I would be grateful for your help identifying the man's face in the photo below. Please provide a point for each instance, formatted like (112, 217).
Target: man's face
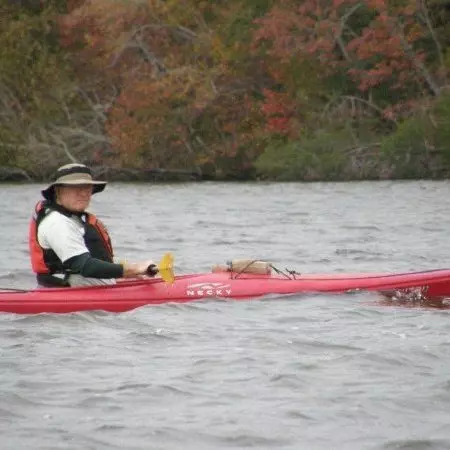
(74, 197)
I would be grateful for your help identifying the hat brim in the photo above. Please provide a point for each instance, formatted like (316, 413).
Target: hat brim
(98, 186)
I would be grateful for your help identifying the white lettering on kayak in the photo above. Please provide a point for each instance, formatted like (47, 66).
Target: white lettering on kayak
(208, 290)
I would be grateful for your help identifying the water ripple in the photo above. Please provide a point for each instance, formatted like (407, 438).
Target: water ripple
(316, 372)
(417, 444)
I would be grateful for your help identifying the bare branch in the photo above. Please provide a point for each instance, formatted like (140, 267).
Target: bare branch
(353, 100)
(427, 20)
(214, 87)
(63, 146)
(136, 41)
(70, 132)
(147, 54)
(397, 30)
(342, 26)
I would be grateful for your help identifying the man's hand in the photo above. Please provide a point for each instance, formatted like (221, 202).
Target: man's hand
(132, 270)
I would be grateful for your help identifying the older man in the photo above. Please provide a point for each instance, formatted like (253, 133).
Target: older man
(69, 246)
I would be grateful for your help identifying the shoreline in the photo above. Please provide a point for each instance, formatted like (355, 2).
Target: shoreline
(113, 174)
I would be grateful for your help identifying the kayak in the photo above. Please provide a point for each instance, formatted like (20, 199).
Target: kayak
(222, 284)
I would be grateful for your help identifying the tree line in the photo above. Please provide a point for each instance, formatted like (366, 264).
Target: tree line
(235, 89)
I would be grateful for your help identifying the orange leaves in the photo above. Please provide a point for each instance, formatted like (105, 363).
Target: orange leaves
(71, 5)
(386, 45)
(278, 110)
(386, 49)
(275, 31)
(400, 109)
(150, 109)
(306, 31)
(377, 48)
(377, 5)
(338, 3)
(162, 59)
(96, 26)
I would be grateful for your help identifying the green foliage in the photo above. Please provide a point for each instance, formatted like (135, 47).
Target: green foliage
(35, 81)
(406, 147)
(238, 27)
(321, 156)
(30, 61)
(439, 13)
(441, 121)
(422, 143)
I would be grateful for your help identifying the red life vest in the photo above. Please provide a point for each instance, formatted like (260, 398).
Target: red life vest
(96, 238)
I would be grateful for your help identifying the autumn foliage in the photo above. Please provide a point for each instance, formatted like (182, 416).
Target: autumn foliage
(213, 85)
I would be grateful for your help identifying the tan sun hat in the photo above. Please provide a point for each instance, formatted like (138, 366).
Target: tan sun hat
(73, 174)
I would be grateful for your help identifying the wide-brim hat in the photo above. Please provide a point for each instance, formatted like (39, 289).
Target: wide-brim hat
(73, 174)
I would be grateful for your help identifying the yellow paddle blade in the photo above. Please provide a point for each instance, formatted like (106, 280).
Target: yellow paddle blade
(165, 268)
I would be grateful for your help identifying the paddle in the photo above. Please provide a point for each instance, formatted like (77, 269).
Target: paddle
(164, 268)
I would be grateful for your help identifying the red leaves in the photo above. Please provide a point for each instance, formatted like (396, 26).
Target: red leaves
(178, 85)
(387, 52)
(386, 47)
(278, 109)
(377, 5)
(309, 30)
(400, 109)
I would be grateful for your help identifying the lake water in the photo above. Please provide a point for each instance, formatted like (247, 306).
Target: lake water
(302, 372)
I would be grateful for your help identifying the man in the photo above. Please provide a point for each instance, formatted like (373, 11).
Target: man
(69, 246)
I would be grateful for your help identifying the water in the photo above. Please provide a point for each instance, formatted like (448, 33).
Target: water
(303, 372)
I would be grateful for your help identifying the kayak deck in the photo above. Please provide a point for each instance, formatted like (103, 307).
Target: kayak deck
(128, 295)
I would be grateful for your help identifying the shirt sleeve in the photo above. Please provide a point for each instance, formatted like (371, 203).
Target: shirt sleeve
(64, 235)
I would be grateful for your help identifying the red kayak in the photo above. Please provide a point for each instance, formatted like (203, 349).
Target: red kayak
(125, 296)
